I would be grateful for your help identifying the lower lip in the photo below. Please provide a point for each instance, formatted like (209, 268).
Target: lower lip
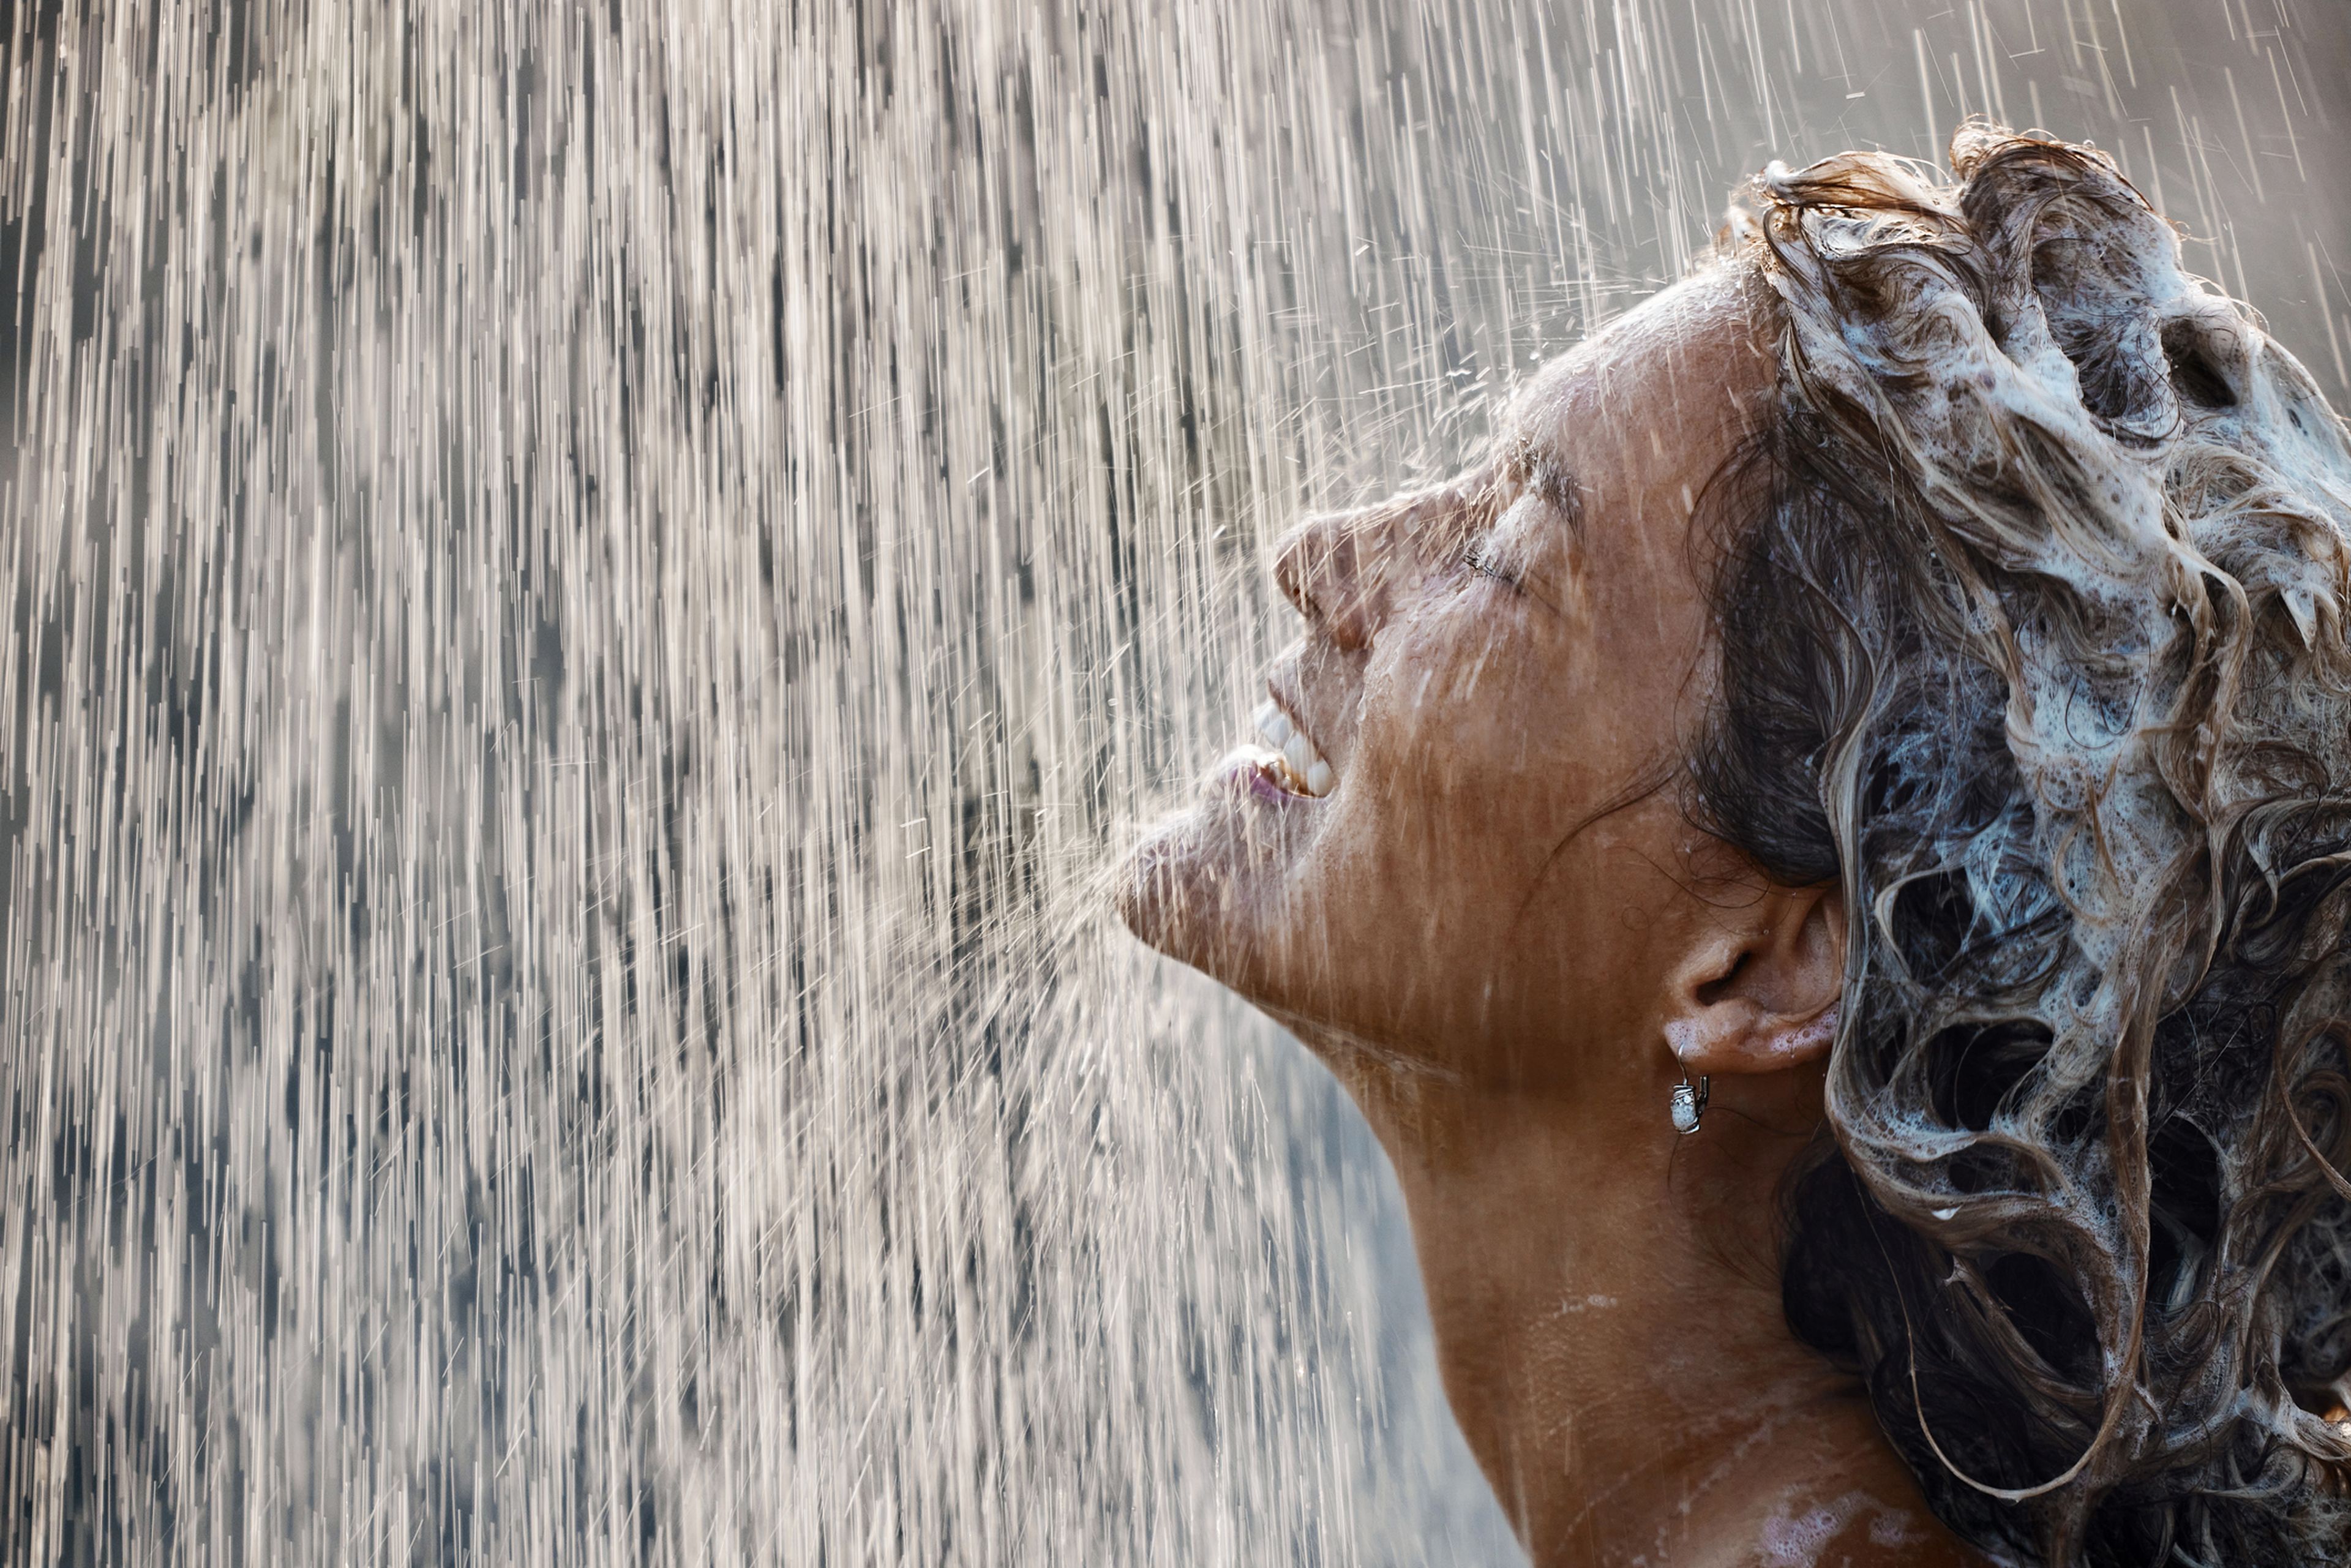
(1261, 784)
(1251, 768)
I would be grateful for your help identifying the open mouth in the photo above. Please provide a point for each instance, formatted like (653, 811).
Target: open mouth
(1295, 765)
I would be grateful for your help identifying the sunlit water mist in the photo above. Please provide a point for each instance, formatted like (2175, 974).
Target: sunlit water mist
(589, 589)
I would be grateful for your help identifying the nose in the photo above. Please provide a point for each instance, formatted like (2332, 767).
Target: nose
(1343, 569)
(1320, 570)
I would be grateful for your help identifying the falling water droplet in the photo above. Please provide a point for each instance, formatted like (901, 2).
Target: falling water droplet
(591, 587)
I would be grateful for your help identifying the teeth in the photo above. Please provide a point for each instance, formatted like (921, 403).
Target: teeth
(1302, 768)
(1275, 726)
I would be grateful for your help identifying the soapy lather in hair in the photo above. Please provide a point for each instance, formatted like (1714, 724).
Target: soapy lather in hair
(2032, 634)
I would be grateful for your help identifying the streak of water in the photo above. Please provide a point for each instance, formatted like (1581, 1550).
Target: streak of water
(587, 584)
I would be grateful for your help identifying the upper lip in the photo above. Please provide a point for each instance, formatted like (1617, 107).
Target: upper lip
(1288, 702)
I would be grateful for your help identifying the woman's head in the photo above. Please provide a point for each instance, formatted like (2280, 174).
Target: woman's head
(2032, 636)
(1926, 627)
(1486, 718)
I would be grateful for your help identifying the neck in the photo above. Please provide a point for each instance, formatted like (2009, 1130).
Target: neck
(1609, 1327)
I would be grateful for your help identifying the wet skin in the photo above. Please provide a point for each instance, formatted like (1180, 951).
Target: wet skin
(1495, 923)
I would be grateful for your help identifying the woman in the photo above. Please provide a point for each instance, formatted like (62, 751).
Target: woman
(1882, 711)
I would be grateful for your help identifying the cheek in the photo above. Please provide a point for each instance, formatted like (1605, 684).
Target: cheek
(1456, 712)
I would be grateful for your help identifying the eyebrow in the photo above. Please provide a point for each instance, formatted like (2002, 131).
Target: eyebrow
(1528, 463)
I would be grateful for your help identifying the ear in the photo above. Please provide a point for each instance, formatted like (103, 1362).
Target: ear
(1758, 991)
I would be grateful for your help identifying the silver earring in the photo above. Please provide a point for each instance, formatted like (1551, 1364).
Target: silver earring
(1690, 1104)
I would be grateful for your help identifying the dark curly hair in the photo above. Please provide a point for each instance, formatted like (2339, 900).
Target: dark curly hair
(2032, 636)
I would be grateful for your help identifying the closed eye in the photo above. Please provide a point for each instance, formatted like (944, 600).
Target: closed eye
(1477, 559)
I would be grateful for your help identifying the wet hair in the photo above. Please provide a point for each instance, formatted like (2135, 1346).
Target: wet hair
(2031, 631)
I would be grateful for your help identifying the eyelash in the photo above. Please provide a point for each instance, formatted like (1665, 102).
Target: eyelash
(1472, 558)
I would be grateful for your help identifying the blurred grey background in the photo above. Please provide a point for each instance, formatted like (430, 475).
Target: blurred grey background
(590, 587)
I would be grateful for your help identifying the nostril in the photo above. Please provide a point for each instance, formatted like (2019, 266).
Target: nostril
(1312, 560)
(1290, 569)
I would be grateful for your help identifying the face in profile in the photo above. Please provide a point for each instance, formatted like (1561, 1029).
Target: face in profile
(1453, 839)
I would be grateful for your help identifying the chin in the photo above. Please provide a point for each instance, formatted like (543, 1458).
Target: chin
(1209, 887)
(1176, 893)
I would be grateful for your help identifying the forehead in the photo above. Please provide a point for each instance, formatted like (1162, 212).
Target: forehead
(1686, 359)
